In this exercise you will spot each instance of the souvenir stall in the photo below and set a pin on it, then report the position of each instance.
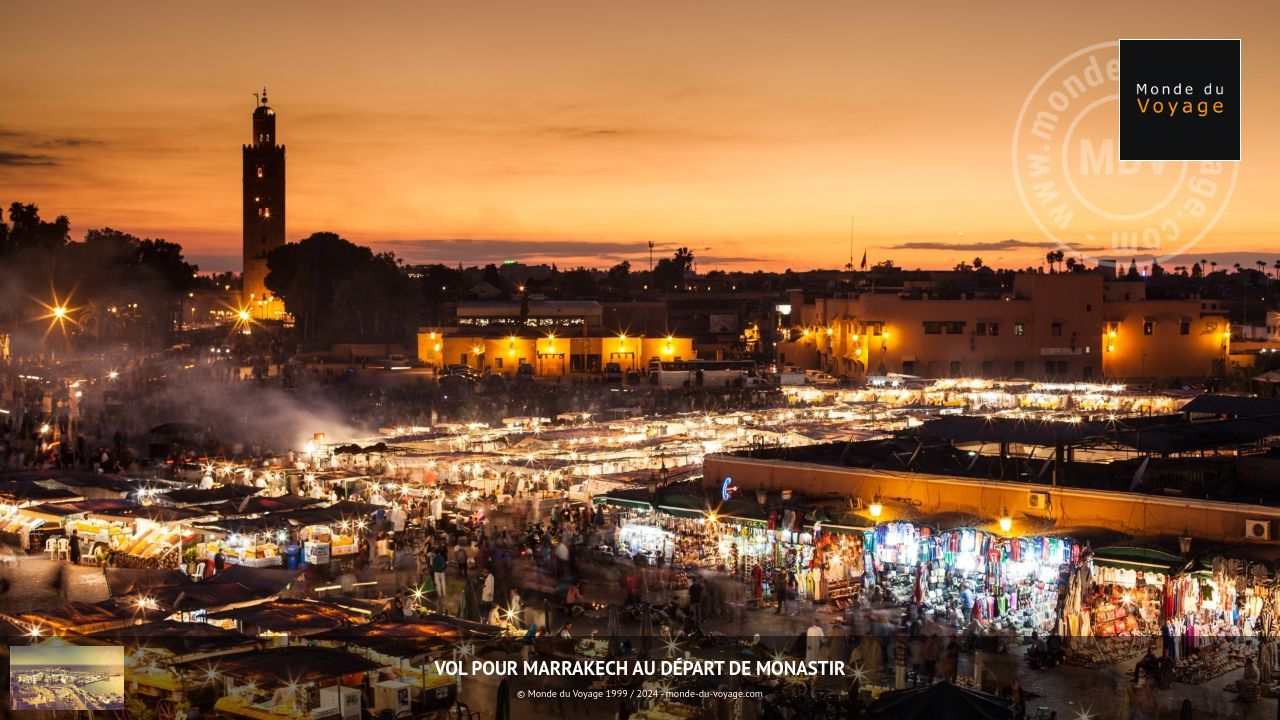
(648, 535)
(1208, 609)
(1113, 604)
(1014, 579)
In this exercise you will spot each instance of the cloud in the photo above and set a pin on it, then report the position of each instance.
(17, 159)
(588, 252)
(67, 142)
(979, 246)
(586, 132)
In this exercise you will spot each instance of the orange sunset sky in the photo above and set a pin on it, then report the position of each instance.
(577, 132)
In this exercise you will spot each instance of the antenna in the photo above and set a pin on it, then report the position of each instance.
(850, 265)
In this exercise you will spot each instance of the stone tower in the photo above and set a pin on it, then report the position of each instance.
(263, 210)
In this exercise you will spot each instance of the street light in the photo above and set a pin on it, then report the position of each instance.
(1006, 522)
(876, 507)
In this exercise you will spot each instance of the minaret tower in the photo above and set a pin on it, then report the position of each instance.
(263, 210)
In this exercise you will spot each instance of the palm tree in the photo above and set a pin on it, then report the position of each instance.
(1262, 266)
(1277, 267)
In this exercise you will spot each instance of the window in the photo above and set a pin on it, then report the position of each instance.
(987, 329)
(1148, 328)
(462, 359)
(955, 368)
(259, 171)
(497, 362)
(1019, 368)
(1087, 373)
(988, 368)
(1088, 307)
(908, 367)
(943, 327)
(1056, 329)
(1184, 327)
(1019, 329)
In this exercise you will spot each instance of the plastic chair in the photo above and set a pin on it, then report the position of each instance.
(51, 547)
(199, 573)
(64, 548)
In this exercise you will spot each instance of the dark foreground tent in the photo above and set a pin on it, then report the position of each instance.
(940, 701)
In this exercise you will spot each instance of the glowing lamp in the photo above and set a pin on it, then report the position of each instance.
(876, 507)
(1006, 522)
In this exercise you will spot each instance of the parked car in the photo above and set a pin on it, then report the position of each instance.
(463, 371)
(612, 372)
(524, 373)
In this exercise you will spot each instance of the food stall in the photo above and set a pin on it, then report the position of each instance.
(289, 682)
(154, 650)
(251, 541)
(158, 536)
(97, 532)
(24, 531)
(405, 649)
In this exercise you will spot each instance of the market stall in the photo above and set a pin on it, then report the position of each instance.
(405, 649)
(157, 538)
(292, 682)
(969, 574)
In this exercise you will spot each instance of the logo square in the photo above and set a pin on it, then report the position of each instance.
(1180, 100)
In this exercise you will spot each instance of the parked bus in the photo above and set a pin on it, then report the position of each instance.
(705, 373)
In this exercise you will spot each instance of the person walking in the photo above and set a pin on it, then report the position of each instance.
(439, 564)
(73, 548)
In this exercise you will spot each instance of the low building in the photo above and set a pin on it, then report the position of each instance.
(1070, 327)
(548, 353)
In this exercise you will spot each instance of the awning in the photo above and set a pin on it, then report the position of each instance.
(1141, 559)
(284, 665)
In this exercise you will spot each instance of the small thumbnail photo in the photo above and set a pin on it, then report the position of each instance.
(58, 676)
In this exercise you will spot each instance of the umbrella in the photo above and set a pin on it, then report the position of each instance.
(503, 711)
(615, 645)
(940, 700)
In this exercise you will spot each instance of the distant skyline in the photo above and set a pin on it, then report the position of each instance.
(575, 132)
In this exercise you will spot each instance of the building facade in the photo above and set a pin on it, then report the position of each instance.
(264, 211)
(1068, 327)
(555, 337)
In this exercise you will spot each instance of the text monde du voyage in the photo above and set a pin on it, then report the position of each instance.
(1179, 99)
